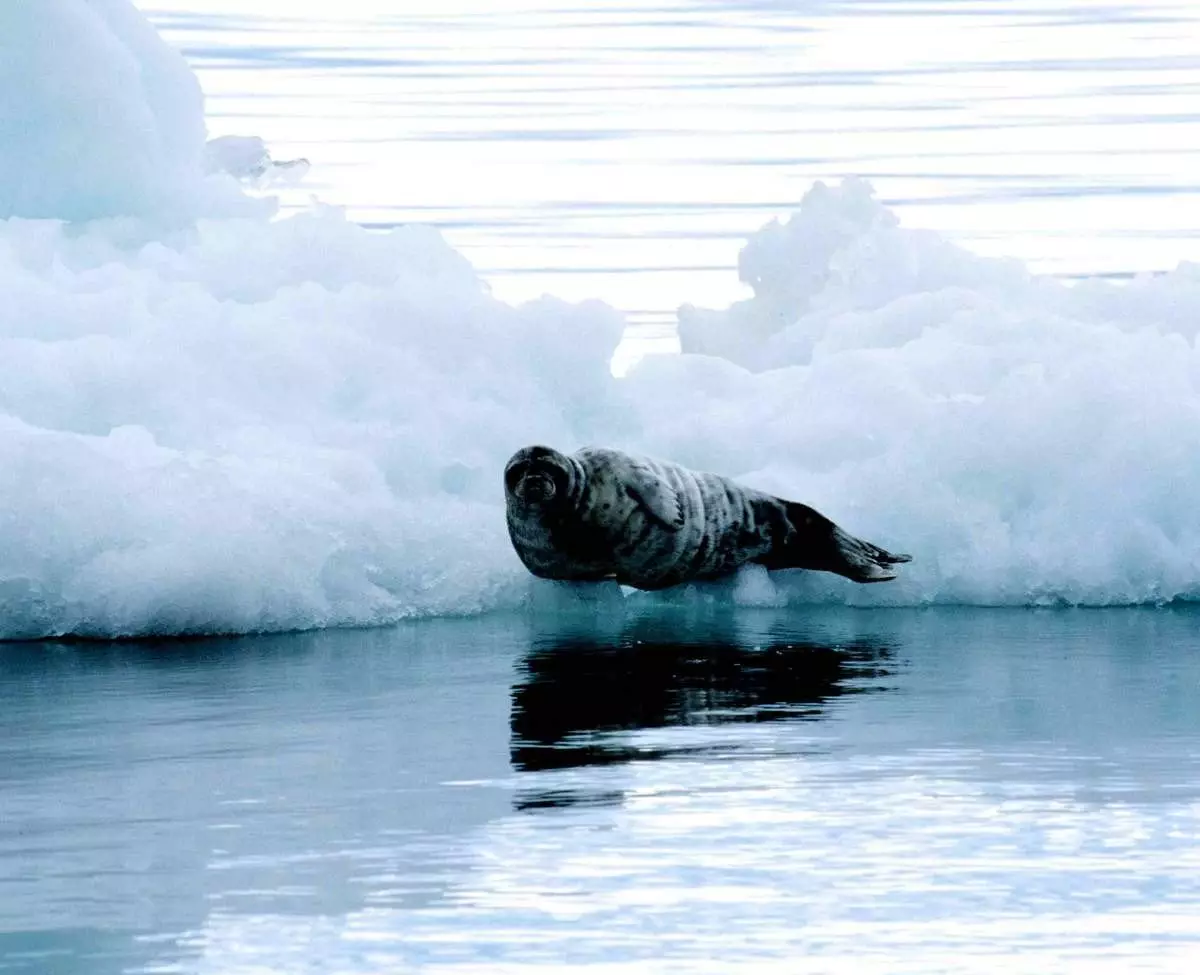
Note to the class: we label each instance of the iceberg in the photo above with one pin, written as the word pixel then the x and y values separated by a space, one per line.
pixel 213 420
pixel 247 158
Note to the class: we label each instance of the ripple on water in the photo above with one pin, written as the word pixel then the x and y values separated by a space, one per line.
pixel 624 150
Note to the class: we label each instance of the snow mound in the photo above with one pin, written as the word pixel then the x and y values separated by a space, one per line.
pixel 268 425
pixel 1029 441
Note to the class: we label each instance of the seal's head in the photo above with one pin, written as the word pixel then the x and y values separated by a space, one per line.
pixel 537 477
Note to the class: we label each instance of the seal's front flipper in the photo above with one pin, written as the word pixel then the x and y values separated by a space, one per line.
pixel 812 541
pixel 654 495
pixel 659 506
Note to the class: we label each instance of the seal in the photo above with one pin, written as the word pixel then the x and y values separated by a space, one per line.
pixel 605 514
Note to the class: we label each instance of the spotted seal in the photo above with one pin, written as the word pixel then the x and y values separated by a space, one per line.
pixel 605 514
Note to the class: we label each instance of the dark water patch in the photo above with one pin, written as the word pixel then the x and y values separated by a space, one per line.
pixel 573 695
pixel 594 696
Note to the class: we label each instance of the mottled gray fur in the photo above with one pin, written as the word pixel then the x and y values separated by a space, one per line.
pixel 605 514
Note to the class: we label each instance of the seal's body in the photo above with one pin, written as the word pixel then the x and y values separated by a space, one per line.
pixel 605 514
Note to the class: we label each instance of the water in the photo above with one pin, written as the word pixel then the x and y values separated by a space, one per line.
pixel 624 149
pixel 666 789
pixel 671 790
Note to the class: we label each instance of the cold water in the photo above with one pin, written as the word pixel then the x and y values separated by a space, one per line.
pixel 675 790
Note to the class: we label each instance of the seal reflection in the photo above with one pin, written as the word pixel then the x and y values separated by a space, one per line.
pixel 576 695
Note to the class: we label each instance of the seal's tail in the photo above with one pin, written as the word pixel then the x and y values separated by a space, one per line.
pixel 815 542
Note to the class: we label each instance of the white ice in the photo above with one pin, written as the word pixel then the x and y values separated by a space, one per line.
pixel 247 158
pixel 236 423
pixel 98 117
pixel 1029 441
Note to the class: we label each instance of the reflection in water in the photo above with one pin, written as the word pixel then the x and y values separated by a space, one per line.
pixel 579 698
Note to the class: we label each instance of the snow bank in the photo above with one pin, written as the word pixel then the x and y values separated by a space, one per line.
pixel 267 425
pixel 1028 441
pixel 241 424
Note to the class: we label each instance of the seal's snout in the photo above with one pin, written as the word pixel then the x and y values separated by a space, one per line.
pixel 535 475
pixel 534 487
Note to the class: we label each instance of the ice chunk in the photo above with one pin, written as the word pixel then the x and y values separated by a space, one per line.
pixel 842 251
pixel 753 588
pixel 247 158
pixel 268 425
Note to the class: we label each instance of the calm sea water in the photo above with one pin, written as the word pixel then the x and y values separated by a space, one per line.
pixel 670 789
pixel 676 790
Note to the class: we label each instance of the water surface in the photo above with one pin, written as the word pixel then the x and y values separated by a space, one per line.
pixel 655 789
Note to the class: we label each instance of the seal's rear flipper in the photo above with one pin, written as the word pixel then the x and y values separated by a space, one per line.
pixel 815 542
pixel 862 561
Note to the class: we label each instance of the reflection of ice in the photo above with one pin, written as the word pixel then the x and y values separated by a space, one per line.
pixel 246 157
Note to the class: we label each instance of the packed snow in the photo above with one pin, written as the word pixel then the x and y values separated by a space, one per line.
pixel 216 421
